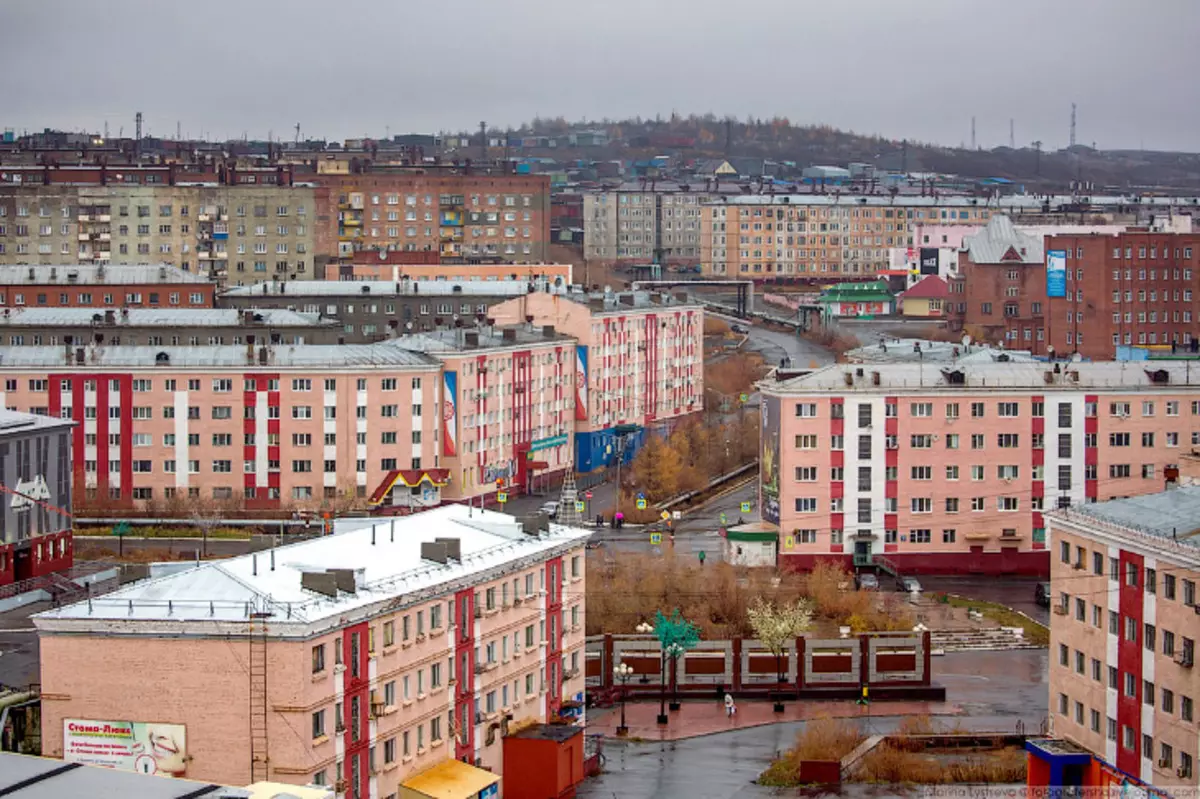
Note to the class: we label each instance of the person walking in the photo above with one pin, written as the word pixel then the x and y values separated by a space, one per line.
pixel 730 707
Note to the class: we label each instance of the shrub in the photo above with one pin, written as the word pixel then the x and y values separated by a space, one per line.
pixel 821 739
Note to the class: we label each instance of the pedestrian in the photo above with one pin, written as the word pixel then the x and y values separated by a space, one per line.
pixel 730 707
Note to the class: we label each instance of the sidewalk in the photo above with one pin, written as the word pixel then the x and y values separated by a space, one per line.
pixel 696 718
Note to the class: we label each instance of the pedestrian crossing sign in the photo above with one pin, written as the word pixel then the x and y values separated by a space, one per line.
pixel 502 497
pixel 745 507
pixel 579 506
pixel 641 504
pixel 656 538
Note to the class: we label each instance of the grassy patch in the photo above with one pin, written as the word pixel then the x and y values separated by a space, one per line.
pixel 152 531
pixel 821 739
pixel 894 764
pixel 1004 616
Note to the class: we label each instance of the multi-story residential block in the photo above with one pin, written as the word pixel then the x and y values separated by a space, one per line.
pixel 35 473
pixel 949 467
pixel 103 286
pixel 373 310
pixel 639 364
pixel 359 660
pixel 1123 632
pixel 634 222
pixel 1131 286
pixel 240 426
pixel 231 226
pixel 163 326
pixel 508 406
pixel 457 215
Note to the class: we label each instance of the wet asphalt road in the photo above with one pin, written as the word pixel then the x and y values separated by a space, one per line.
pixel 994 689
pixel 1015 592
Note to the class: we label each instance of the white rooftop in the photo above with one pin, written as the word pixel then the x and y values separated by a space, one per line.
pixel 989 376
pixel 389 288
pixel 312 356
pixel 94 275
pixel 889 349
pixel 15 422
pixel 385 556
pixel 1022 202
pixel 155 317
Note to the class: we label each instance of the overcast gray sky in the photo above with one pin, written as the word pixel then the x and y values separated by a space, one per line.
pixel 902 68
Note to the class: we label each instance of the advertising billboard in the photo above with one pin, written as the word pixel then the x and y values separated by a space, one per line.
pixel 1056 273
pixel 929 260
pixel 581 386
pixel 146 748
pixel 769 474
pixel 450 414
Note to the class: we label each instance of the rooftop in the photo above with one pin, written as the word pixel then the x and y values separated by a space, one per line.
pixel 311 356
pixel 14 422
pixel 45 778
pixel 446 340
pixel 385 560
pixel 95 275
pixel 389 288
pixel 1020 202
pixel 931 287
pixel 911 350
pixel 990 375
pixel 1172 514
pixel 154 317
pixel 1000 242
pixel 627 300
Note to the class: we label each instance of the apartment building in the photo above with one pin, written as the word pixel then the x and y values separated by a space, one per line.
pixel 359 660
pixel 397 265
pixel 508 406
pixel 457 215
pixel 949 467
pixel 231 226
pixel 189 426
pixel 103 286
pixel 157 327
pixel 639 364
pixel 1123 632
pixel 629 223
pixel 35 471
pixel 373 310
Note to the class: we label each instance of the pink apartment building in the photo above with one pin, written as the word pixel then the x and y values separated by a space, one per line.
pixel 1123 632
pixel 639 363
pixel 357 660
pixel 948 468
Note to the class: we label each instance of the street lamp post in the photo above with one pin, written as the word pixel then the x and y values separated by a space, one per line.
pixel 623 671
pixel 647 629
pixel 674 651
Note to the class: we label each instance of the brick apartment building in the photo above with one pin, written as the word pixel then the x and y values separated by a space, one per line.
pixel 1139 286
pixel 103 286
pixel 359 660
pixel 1123 632
pixel 949 467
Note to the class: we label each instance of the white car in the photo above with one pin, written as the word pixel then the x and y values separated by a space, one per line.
pixel 549 508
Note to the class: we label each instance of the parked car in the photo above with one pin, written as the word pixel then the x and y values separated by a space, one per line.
pixel 909 585
pixel 549 508
pixel 867 582
pixel 1041 594
pixel 740 329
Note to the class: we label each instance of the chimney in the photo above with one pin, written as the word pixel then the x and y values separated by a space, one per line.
pixel 548 331
pixel 344 579
pixel 509 334
pixel 453 547
pixel 435 551
pixel 110 317
pixel 263 356
pixel 471 338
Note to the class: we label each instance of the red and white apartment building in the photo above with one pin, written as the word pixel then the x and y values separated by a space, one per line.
pixel 639 363
pixel 360 660
pixel 1123 632
pixel 950 467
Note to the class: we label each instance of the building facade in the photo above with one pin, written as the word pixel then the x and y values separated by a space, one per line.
pixel 949 467
pixel 1123 632
pixel 630 223
pixel 103 286
pixel 357 660
pixel 639 364
pixel 35 473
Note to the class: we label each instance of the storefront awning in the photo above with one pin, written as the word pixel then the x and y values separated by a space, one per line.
pixel 451 779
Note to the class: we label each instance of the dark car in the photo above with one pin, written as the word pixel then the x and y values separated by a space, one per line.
pixel 1041 594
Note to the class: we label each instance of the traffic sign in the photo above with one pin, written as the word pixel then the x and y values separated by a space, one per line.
pixel 724 519
pixel 641 495
pixel 502 497
pixel 676 515
pixel 789 542
pixel 587 494
pixel 745 507
pixel 579 506
pixel 744 398
pixel 641 504
pixel 665 515
pixel 656 538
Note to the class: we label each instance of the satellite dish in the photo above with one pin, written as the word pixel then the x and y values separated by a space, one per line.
pixel 966 340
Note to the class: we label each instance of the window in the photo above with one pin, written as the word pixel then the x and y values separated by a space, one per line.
pixel 806 504
pixel 1008 409
pixel 318 724
pixel 976 410
pixel 922 505
pixel 806 410
pixel 318 659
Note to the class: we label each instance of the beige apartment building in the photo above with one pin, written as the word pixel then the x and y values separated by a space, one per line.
pixel 234 234
pixel 629 223
pixel 358 660
pixel 1123 632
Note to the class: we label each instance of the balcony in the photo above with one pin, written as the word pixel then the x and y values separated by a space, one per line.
pixel 84 218
pixel 203 217
pixel 84 236
pixel 203 255
pixel 103 218
pixel 104 236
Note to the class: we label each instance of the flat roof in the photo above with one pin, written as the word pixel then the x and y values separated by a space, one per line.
pixel 446 340
pixel 95 275
pixel 451 779
pixel 1171 515
pixel 44 778
pixel 14 422
pixel 385 557
pixel 1018 201
pixel 391 288
pixel 218 356
pixel 889 349
pixel 155 317
pixel 616 301
pixel 989 376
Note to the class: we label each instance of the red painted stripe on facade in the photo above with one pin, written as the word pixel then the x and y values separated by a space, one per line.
pixel 103 453
pixel 464 694
pixel 1129 660
pixel 125 385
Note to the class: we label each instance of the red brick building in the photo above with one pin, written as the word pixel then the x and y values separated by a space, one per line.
pixel 103 286
pixel 1136 287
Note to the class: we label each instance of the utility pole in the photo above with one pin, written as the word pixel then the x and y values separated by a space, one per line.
pixel 1072 124
pixel 483 148
pixel 137 141
pixel 1037 146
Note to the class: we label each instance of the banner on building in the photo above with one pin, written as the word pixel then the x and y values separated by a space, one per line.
pixel 769 468
pixel 127 746
pixel 581 386
pixel 929 260
pixel 450 414
pixel 1056 273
